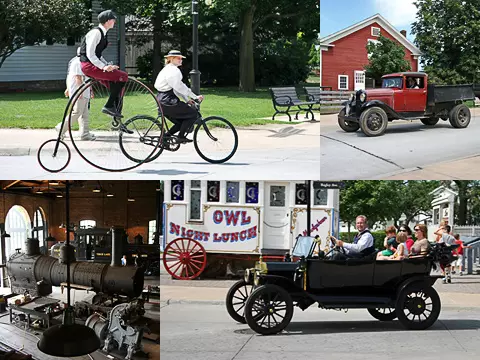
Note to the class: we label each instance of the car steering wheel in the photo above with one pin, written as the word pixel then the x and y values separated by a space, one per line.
pixel 336 247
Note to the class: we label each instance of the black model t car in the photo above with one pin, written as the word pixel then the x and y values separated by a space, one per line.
pixel 388 289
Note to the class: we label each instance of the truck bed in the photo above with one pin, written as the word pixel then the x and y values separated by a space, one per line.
pixel 449 93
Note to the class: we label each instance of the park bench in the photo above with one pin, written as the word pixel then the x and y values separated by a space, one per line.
pixel 313 94
pixel 287 97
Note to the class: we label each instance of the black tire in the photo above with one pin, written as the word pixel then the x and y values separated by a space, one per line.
pixel 460 116
pixel 345 125
pixel 129 124
pixel 384 314
pixel 265 299
pixel 373 121
pixel 430 121
pixel 42 155
pixel 418 299
pixel 202 126
pixel 239 292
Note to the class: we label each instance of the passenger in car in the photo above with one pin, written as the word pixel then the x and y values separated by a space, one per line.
pixel 421 247
pixel 402 251
pixel 405 228
pixel 391 234
pixel 392 248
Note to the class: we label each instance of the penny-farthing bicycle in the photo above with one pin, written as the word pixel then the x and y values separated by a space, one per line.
pixel 138 133
pixel 214 138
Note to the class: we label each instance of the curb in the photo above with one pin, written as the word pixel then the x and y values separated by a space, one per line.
pixel 17 151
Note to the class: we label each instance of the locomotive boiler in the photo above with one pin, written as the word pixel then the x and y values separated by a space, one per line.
pixel 36 273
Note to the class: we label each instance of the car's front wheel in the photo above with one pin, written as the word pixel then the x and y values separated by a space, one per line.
pixel 346 125
pixel 268 309
pixel 374 121
pixel 418 306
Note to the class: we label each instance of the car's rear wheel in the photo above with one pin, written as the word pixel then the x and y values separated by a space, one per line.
pixel 344 124
pixel 460 116
pixel 373 121
pixel 430 121
pixel 268 309
pixel 383 314
pixel 418 306
pixel 236 298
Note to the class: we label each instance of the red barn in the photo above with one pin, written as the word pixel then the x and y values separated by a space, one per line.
pixel 343 54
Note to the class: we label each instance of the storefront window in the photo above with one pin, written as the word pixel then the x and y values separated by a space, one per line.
pixel 177 190
pixel 277 195
pixel 213 191
pixel 195 200
pixel 233 191
pixel 300 194
pixel 251 193
pixel 320 196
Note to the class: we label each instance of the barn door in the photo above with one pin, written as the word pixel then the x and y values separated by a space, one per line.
pixel 359 80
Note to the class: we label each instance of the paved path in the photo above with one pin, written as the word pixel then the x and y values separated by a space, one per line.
pixel 265 152
pixel 408 150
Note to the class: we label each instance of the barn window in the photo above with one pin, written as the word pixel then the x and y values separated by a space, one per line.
pixel 342 82
pixel 87 224
pixel 39 228
pixel 17 224
pixel 375 31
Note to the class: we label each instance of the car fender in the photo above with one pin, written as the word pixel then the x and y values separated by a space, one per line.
pixel 390 112
pixel 425 280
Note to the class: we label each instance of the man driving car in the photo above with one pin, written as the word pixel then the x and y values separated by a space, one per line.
pixel 363 243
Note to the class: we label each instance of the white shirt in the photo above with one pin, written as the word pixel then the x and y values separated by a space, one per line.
pixel 74 69
pixel 171 78
pixel 365 241
pixel 92 39
pixel 447 239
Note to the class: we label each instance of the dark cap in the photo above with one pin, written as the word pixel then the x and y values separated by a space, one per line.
pixel 106 15
pixel 392 241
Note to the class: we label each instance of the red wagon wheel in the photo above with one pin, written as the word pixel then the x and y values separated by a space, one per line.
pixel 184 259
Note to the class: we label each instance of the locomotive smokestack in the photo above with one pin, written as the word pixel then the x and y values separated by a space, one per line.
pixel 32 247
pixel 117 246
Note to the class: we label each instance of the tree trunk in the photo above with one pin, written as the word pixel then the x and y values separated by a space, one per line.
pixel 247 72
pixel 157 44
pixel 462 201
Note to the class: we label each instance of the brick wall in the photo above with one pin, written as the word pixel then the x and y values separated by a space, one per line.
pixel 350 54
pixel 86 205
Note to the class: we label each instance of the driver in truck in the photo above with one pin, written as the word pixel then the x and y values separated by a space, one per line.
pixel 412 84
pixel 363 243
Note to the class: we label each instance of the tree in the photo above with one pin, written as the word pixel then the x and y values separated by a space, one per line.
pixel 386 57
pixel 31 22
pixel 254 16
pixel 447 32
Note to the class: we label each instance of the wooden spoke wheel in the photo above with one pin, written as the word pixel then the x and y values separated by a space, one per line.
pixel 184 259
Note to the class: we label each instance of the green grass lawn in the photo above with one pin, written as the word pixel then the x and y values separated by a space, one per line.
pixel 45 110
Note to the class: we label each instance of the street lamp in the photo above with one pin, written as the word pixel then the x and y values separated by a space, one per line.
pixel 195 73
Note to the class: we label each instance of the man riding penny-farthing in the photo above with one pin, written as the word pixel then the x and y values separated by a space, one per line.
pixel 124 114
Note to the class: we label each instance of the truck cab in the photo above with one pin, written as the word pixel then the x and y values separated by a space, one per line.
pixel 403 92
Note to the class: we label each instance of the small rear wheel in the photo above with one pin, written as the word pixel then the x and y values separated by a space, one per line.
pixel 460 116
pixel 346 125
pixel 384 314
pixel 268 309
pixel 52 157
pixel 430 121
pixel 418 306
pixel 374 121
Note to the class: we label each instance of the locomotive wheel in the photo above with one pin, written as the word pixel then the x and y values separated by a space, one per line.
pixel 184 259
pixel 345 125
pixel 460 116
pixel 385 314
pixel 236 297
pixel 373 121
pixel 268 309
pixel 418 307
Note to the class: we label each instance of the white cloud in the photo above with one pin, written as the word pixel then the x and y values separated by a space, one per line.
pixel 397 12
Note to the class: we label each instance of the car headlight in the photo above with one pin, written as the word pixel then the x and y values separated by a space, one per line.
pixel 352 97
pixel 247 275
pixel 363 97
pixel 256 279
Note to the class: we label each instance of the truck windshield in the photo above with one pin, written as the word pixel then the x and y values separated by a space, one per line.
pixel 395 82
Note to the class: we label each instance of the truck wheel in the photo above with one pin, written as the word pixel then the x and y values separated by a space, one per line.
pixel 460 116
pixel 430 121
pixel 373 121
pixel 345 125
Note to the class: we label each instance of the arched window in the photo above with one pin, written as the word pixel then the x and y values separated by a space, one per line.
pixel 87 224
pixel 17 224
pixel 152 227
pixel 39 229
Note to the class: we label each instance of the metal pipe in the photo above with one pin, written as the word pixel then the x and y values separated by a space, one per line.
pixel 67 201
pixel 309 220
pixel 195 74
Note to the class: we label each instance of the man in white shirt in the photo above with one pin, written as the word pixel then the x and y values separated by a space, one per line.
pixel 170 87
pixel 363 243
pixel 96 67
pixel 75 79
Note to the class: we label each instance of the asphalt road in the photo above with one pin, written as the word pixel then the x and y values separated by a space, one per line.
pixel 405 147
pixel 205 331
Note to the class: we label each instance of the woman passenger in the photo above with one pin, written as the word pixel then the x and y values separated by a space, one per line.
pixel 421 246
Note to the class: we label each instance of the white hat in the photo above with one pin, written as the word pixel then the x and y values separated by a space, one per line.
pixel 175 53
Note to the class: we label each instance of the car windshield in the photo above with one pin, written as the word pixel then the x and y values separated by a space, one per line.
pixel 395 82
pixel 303 246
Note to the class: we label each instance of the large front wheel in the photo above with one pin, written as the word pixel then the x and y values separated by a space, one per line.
pixel 268 309
pixel 236 298
pixel 215 140
pixel 374 121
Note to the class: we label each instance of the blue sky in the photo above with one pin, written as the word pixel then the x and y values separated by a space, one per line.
pixel 339 14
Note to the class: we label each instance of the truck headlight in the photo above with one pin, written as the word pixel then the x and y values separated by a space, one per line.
pixel 363 96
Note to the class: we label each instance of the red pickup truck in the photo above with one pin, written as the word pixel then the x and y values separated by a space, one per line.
pixel 406 96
